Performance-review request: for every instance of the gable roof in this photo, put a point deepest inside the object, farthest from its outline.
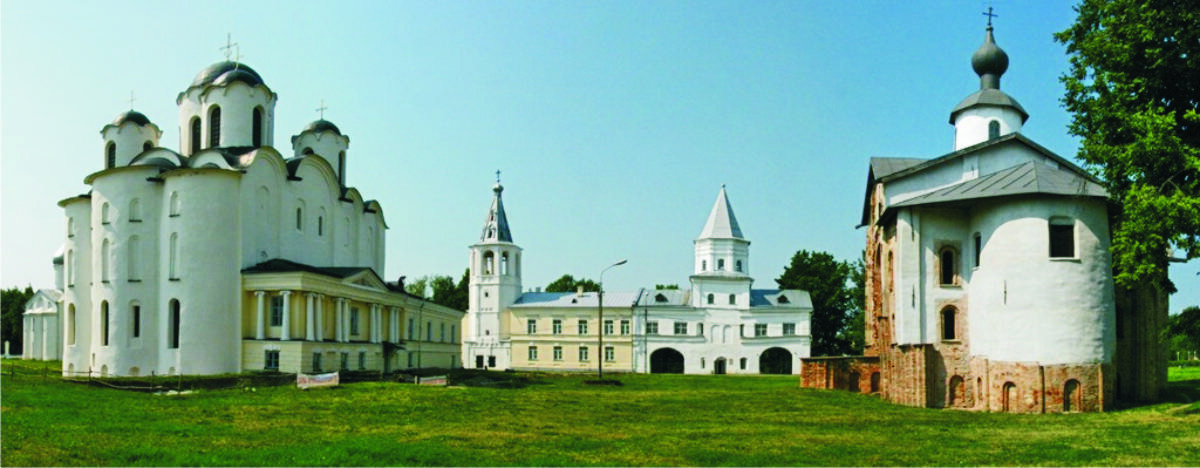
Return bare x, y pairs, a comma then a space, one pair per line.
1028, 178
365, 276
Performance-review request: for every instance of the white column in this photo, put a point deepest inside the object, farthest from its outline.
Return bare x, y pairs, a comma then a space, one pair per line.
320, 318
260, 331
284, 334
341, 320
310, 329
395, 325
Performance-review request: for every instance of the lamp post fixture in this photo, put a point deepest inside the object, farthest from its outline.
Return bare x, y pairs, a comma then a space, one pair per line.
600, 326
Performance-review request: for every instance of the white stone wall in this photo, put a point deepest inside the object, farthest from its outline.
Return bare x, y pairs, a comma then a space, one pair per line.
971, 125
129, 138
237, 102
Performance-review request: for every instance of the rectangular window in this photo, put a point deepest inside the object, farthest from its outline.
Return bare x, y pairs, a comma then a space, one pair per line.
760, 329
583, 329
277, 311
346, 360
453, 334
789, 329
443, 336
608, 327
743, 363
271, 360
624, 327
978, 248
137, 321
412, 327
410, 359
533, 353
362, 360
609, 353
700, 329
583, 353
680, 328
316, 364
558, 353
1062, 238
531, 326
651, 328
556, 327
491, 361
428, 331
354, 320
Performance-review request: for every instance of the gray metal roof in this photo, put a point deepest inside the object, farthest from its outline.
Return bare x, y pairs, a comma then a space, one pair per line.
989, 97
615, 299
883, 167
721, 224
495, 227
226, 72
1028, 178
665, 298
780, 298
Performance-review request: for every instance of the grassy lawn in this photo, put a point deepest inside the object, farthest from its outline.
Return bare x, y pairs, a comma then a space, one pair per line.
557, 420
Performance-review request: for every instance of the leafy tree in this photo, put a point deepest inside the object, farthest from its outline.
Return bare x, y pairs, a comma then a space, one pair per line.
855, 331
827, 281
449, 294
669, 287
12, 303
418, 287
1132, 89
568, 283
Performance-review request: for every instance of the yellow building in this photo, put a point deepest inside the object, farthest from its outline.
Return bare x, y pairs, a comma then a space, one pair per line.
561, 331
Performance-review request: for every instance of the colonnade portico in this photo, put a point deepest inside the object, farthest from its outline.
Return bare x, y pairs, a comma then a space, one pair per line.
378, 328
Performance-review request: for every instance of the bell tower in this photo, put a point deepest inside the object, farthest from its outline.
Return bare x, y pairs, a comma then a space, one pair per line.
720, 277
495, 284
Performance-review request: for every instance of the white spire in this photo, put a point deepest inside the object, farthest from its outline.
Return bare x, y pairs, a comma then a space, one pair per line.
722, 224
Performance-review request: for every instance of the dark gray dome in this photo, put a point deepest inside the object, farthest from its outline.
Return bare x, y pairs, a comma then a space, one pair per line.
223, 73
322, 126
131, 116
989, 62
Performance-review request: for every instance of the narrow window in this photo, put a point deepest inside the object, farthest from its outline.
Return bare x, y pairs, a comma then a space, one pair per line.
556, 327
532, 353
993, 129
558, 353
104, 213
710, 298
104, 262
531, 326
173, 325
342, 167
135, 211
428, 331
299, 219
195, 135
104, 323
743, 364
608, 327
1072, 396
738, 266
277, 311
354, 321
491, 361
703, 265
173, 264
583, 327
214, 127
732, 299
583, 353
1062, 238
320, 225
949, 316
624, 327
346, 360
609, 353
720, 264
316, 362
110, 155
174, 202
256, 130
362, 360
412, 329
978, 248
70, 263
133, 249
443, 332
453, 334
71, 324
70, 227
947, 267
136, 316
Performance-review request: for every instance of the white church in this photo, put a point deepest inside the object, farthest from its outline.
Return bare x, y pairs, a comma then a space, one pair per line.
720, 324
230, 256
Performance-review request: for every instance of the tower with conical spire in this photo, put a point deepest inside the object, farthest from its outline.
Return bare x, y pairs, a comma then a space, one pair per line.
495, 284
722, 260
988, 113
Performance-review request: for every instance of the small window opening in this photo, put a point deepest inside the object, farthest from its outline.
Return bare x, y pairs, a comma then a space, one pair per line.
110, 155
1062, 238
214, 127
947, 267
195, 135
949, 317
710, 298
256, 130
993, 129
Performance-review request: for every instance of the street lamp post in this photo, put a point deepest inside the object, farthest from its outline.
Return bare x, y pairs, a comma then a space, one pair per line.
600, 326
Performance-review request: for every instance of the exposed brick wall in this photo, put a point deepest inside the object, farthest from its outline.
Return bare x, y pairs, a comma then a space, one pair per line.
859, 374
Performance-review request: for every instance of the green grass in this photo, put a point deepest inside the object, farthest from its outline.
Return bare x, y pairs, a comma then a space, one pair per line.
557, 420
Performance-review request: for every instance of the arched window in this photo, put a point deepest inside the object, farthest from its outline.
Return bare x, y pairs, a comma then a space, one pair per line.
306, 152
342, 167
135, 211
71, 324
946, 266
949, 323
105, 264
320, 225
214, 127
732, 299
720, 264
110, 155
1072, 396
173, 264
195, 135
147, 146
70, 264
489, 260
993, 129
956, 396
978, 247
104, 213
256, 130
133, 248
737, 266
103, 323
173, 324
300, 219
710, 298
504, 263
703, 265
174, 202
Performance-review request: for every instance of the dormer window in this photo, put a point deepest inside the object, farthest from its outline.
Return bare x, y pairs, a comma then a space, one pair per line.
660, 298
782, 299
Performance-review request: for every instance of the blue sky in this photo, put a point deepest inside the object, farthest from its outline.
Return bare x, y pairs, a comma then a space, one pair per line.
614, 123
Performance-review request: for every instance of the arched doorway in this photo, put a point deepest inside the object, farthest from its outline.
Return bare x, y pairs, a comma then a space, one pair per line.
1072, 396
666, 361
719, 366
775, 361
1009, 395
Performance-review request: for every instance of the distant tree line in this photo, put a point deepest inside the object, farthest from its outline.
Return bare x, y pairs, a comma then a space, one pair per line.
11, 324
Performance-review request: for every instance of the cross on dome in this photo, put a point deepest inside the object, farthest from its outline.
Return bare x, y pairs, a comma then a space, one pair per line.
990, 15
497, 176
228, 47
131, 99
321, 109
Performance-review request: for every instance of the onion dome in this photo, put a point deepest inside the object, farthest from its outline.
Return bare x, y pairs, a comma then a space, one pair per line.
227, 72
989, 62
131, 116
322, 125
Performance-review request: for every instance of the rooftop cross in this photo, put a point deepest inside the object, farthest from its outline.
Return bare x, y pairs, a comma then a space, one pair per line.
237, 56
130, 99
990, 15
229, 45
497, 176
322, 109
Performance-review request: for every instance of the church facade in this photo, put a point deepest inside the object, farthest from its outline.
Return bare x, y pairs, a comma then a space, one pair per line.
718, 325
230, 256
989, 279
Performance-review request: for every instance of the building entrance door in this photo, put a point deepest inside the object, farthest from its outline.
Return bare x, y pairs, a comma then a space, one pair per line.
719, 366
